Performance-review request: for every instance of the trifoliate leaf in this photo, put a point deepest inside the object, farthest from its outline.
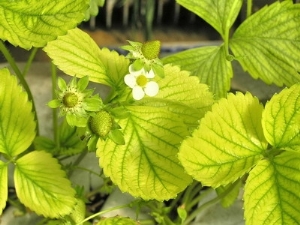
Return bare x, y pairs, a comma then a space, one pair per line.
281, 119
218, 13
17, 126
34, 23
41, 185
228, 142
209, 64
77, 54
117, 221
272, 191
181, 94
267, 44
147, 165
3, 185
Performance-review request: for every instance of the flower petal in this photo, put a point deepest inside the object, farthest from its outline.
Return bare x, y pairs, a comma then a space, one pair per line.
138, 93
130, 80
150, 74
151, 88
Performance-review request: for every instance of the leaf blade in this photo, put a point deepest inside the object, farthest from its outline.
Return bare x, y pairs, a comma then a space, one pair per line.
140, 166
271, 191
41, 185
267, 44
41, 21
207, 63
228, 142
219, 14
281, 119
82, 61
17, 127
3, 185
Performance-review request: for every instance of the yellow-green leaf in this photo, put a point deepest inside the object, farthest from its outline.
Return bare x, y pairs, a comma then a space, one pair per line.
77, 54
267, 44
42, 185
228, 142
218, 13
3, 185
147, 165
272, 191
17, 125
281, 119
34, 23
207, 63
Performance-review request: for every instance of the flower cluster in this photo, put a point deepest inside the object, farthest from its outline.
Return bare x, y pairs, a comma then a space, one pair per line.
143, 69
141, 83
75, 101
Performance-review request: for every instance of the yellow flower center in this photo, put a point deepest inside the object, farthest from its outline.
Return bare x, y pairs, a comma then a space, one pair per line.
141, 80
70, 100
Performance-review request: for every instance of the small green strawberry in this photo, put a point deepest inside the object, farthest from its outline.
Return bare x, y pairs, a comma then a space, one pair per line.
101, 123
151, 49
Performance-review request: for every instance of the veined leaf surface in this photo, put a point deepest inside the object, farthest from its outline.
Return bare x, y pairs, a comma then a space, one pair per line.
147, 165
218, 13
272, 191
267, 44
17, 126
207, 63
3, 185
41, 185
281, 119
77, 54
228, 142
34, 23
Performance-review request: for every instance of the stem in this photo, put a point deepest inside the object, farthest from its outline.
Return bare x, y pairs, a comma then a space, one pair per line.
249, 8
193, 215
54, 111
22, 80
78, 160
103, 212
198, 199
29, 61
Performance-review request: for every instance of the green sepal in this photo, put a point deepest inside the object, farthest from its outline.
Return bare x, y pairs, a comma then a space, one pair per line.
158, 70
82, 83
55, 103
117, 136
74, 120
138, 65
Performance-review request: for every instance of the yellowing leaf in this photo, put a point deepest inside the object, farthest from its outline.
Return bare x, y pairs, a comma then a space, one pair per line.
281, 119
207, 63
77, 54
3, 185
17, 126
34, 23
218, 13
181, 94
228, 142
267, 44
272, 191
147, 165
41, 185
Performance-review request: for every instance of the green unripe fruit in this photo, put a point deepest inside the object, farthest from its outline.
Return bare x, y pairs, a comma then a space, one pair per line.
101, 123
151, 49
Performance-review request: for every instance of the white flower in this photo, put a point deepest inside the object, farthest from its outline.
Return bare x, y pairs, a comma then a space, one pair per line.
141, 83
